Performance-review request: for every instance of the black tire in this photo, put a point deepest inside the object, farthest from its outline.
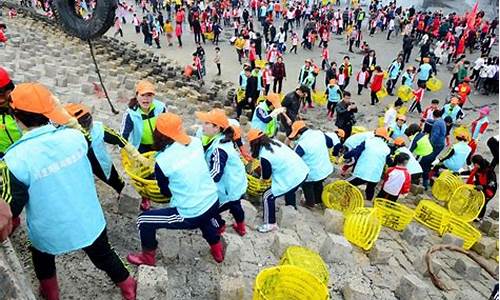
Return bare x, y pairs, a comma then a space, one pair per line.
96, 26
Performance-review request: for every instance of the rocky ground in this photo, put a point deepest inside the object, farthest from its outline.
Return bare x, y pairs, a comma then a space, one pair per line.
393, 269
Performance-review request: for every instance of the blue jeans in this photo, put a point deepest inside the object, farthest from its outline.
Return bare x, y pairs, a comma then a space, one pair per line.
169, 218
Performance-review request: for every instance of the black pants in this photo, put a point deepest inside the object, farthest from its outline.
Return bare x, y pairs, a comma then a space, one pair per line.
218, 69
277, 85
389, 34
385, 195
293, 49
347, 129
312, 192
416, 105
137, 29
493, 146
374, 97
391, 83
242, 104
330, 106
406, 55
157, 42
100, 253
360, 88
179, 40
370, 186
114, 181
235, 209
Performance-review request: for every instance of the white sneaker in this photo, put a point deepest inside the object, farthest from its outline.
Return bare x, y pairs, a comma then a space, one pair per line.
267, 228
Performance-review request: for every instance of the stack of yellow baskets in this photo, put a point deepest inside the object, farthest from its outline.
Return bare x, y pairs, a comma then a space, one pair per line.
302, 274
342, 196
434, 84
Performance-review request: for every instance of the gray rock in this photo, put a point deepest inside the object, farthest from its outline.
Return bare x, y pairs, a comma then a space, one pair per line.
233, 246
336, 249
129, 201
282, 240
486, 247
414, 234
230, 288
489, 226
169, 244
152, 283
420, 265
380, 254
411, 288
494, 214
333, 221
250, 213
451, 239
468, 268
287, 217
357, 290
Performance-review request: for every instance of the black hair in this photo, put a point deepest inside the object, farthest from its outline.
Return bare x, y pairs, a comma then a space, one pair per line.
160, 141
133, 103
263, 141
30, 119
435, 101
228, 134
398, 102
448, 119
437, 113
8, 87
85, 121
478, 159
378, 68
304, 89
347, 93
412, 129
347, 56
401, 158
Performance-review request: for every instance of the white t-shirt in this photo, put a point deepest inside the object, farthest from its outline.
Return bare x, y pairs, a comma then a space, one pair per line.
390, 117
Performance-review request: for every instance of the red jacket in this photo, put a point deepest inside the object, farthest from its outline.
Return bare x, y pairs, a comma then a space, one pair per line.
377, 82
485, 178
3, 38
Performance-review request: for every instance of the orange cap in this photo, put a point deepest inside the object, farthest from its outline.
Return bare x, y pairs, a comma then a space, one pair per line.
215, 116
454, 100
36, 98
144, 87
274, 99
237, 132
340, 133
170, 125
382, 132
296, 126
399, 141
77, 110
254, 134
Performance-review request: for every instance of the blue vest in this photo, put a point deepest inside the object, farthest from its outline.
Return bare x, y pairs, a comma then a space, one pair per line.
453, 113
193, 190
356, 139
413, 165
459, 158
288, 169
395, 67
333, 95
99, 148
315, 155
371, 162
233, 183
425, 70
409, 79
334, 137
63, 213
244, 79
398, 131
479, 123
136, 117
268, 128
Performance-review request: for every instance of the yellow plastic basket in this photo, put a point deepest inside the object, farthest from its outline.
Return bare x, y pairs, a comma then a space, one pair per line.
386, 75
382, 93
357, 129
256, 185
336, 160
464, 230
445, 185
209, 35
392, 214
288, 283
319, 98
308, 260
261, 63
240, 95
466, 203
434, 84
142, 178
342, 196
431, 214
405, 93
362, 227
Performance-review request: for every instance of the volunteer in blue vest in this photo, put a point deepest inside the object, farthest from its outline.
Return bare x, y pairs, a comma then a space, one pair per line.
311, 146
453, 110
373, 154
456, 157
139, 121
398, 128
9, 131
334, 95
421, 147
424, 72
265, 116
283, 166
183, 175
102, 164
56, 185
335, 142
356, 139
225, 165
413, 165
393, 74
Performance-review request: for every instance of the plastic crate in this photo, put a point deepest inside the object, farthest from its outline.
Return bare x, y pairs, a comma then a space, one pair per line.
466, 203
288, 282
392, 214
308, 260
261, 63
431, 214
405, 93
445, 185
256, 186
362, 227
319, 98
382, 93
462, 229
142, 178
342, 196
434, 84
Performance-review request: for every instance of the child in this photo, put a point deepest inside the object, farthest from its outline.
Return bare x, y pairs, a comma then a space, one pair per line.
397, 180
295, 42
168, 31
217, 60
484, 178
325, 54
419, 95
334, 95
361, 78
156, 37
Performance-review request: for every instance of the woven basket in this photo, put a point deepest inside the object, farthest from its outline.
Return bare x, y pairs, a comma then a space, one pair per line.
362, 227
142, 177
405, 93
445, 185
434, 84
342, 196
382, 93
464, 230
319, 98
256, 185
431, 214
288, 282
308, 260
392, 214
466, 203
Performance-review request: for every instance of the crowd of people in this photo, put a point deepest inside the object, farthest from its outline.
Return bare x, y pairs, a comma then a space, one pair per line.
205, 175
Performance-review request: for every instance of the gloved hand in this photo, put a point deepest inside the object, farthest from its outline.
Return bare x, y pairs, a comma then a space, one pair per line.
5, 220
435, 162
136, 156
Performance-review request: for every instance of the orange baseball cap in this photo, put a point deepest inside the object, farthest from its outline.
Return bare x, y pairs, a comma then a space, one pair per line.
340, 133
36, 98
275, 99
296, 126
215, 116
144, 87
399, 141
382, 132
254, 134
77, 110
170, 125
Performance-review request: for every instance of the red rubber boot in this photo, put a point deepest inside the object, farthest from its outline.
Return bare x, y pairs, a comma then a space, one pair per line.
128, 288
217, 252
49, 289
240, 228
221, 230
146, 257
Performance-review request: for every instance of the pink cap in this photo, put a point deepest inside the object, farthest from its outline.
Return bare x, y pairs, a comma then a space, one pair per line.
485, 110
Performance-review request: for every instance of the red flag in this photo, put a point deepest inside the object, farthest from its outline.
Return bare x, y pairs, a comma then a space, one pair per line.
471, 18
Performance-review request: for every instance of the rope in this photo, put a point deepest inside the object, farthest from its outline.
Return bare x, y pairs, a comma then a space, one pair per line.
435, 280
100, 79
